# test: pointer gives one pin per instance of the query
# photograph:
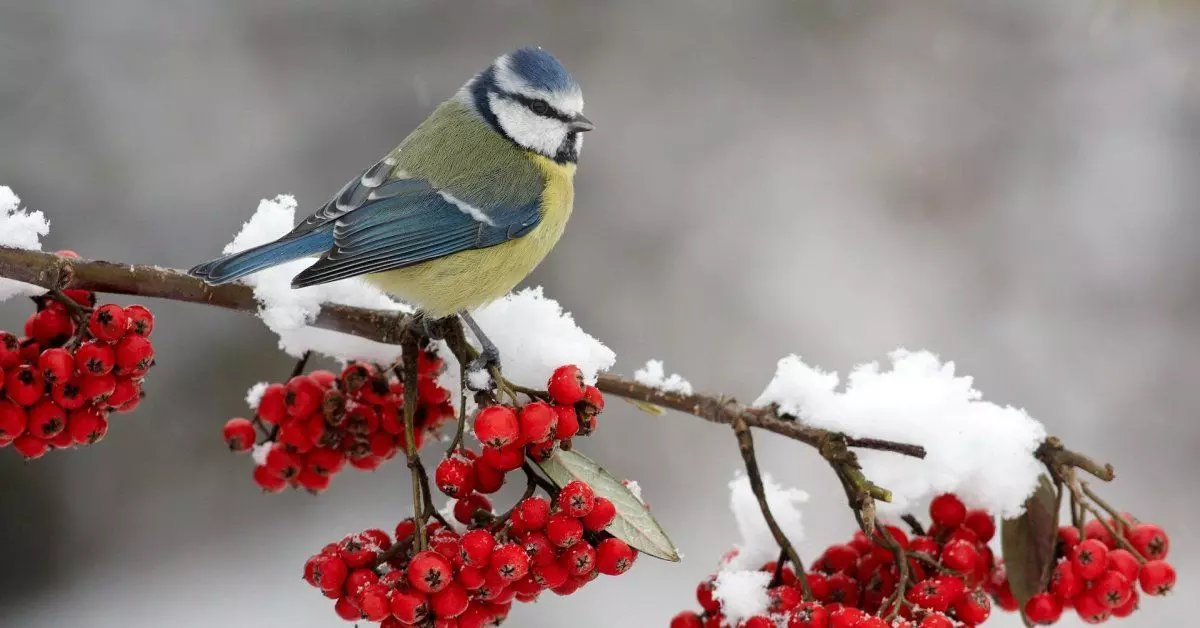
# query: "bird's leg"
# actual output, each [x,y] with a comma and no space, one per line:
[432,328]
[489,356]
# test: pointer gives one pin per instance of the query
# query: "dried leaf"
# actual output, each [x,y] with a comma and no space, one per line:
[634,524]
[1028,542]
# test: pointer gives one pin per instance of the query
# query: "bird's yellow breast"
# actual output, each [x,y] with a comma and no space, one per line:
[468,279]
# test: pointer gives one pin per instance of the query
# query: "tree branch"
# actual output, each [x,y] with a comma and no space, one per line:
[52,271]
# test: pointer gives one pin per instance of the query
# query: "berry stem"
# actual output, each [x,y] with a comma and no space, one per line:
[896,600]
[745,441]
[914,525]
[409,346]
[530,487]
[1117,516]
[542,482]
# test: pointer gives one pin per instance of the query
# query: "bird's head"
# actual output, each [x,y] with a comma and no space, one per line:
[530,98]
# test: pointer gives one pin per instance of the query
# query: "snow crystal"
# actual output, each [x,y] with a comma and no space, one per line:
[977,449]
[289,311]
[255,395]
[742,594]
[22,230]
[535,336]
[479,379]
[259,453]
[654,376]
[634,488]
[758,545]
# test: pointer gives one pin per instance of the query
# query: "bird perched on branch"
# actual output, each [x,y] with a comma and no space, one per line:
[461,211]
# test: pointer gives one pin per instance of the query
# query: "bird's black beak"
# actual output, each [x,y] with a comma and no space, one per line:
[580,123]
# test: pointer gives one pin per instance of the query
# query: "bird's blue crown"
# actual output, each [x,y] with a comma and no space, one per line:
[540,70]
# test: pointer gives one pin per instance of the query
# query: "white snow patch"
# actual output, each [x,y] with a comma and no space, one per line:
[758,544]
[742,594]
[20,229]
[634,488]
[259,453]
[479,379]
[654,376]
[977,449]
[289,311]
[255,394]
[535,336]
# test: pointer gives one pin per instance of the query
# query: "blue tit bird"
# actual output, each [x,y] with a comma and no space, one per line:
[462,210]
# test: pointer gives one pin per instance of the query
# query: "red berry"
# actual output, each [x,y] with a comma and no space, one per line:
[1090,559]
[580,559]
[465,507]
[1043,609]
[272,408]
[1095,529]
[455,476]
[577,499]
[108,322]
[973,608]
[505,459]
[566,385]
[981,523]
[1065,584]
[1126,609]
[373,601]
[346,609]
[135,355]
[509,563]
[592,397]
[329,572]
[472,577]
[239,434]
[809,615]
[614,557]
[46,420]
[1113,589]
[782,599]
[538,422]
[686,619]
[450,601]
[87,425]
[13,420]
[268,481]
[56,365]
[566,422]
[429,572]
[139,320]
[282,463]
[1090,609]
[124,390]
[488,479]
[30,446]
[497,426]
[1149,540]
[477,547]
[758,621]
[947,511]
[1124,562]
[936,620]
[24,385]
[97,388]
[537,547]
[10,350]
[846,617]
[601,515]
[531,514]
[838,558]
[960,556]
[563,530]
[842,589]
[303,396]
[1157,577]
[51,325]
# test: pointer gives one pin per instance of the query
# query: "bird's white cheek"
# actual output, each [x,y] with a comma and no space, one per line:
[528,129]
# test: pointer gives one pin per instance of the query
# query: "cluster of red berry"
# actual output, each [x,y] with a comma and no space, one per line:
[471,579]
[509,434]
[77,363]
[854,585]
[316,423]
[1096,573]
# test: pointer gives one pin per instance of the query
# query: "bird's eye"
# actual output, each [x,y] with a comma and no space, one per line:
[540,107]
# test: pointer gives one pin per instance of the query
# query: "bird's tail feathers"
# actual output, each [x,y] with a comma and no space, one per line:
[237,265]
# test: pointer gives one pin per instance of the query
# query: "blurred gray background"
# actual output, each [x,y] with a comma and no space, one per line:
[1011,184]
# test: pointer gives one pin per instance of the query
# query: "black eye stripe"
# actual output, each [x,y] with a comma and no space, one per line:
[528,102]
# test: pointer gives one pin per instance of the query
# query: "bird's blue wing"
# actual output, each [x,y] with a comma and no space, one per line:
[408,221]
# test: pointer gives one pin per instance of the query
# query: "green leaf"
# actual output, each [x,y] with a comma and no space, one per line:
[1028,541]
[634,524]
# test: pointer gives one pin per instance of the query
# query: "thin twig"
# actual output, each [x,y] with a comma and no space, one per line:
[530,487]
[1117,516]
[410,346]
[542,483]
[745,441]
[914,525]
[896,600]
